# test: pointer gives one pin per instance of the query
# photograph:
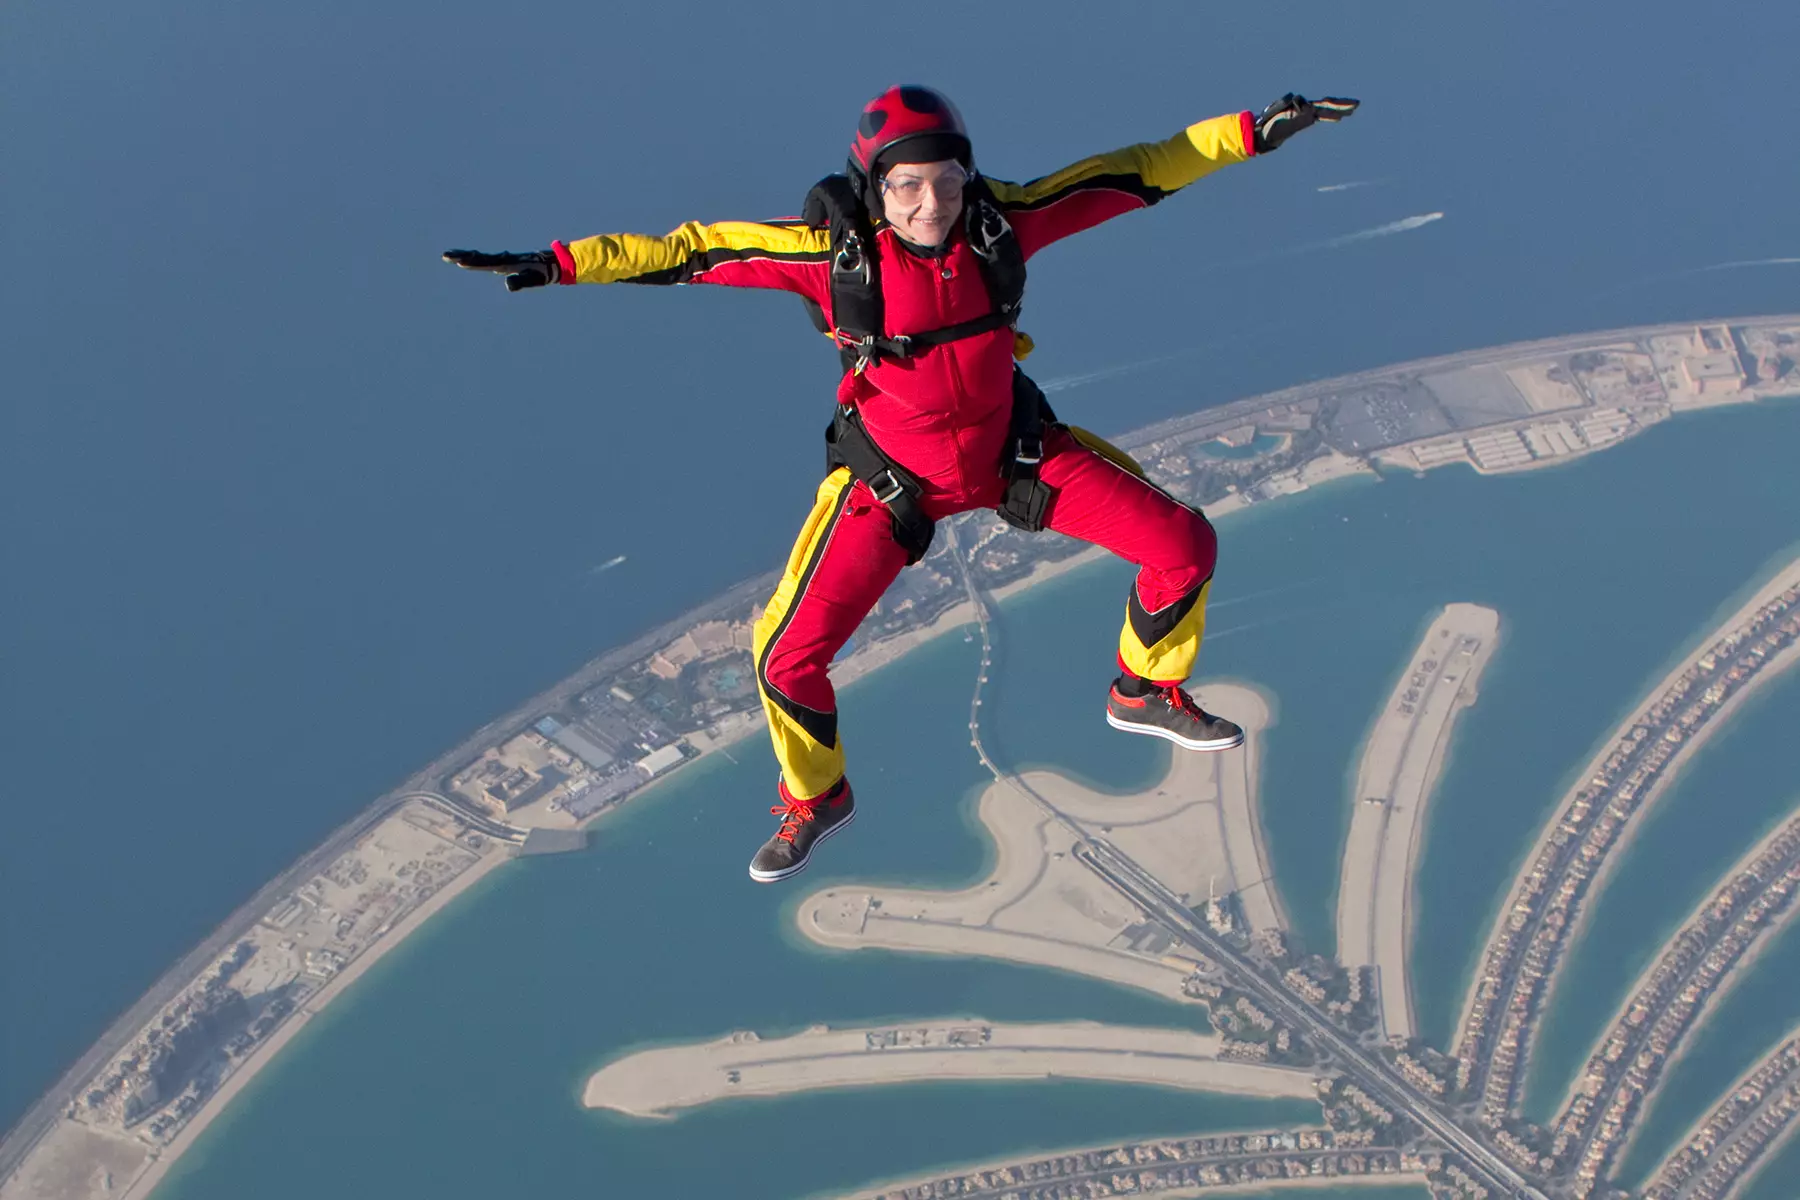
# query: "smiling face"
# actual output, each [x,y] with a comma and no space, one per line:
[923,201]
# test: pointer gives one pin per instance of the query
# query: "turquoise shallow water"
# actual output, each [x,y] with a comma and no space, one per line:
[477,1034]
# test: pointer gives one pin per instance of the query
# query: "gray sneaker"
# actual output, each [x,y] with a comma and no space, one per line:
[1171,713]
[804,824]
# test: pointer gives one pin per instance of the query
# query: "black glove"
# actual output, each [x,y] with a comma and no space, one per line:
[521,270]
[1290,114]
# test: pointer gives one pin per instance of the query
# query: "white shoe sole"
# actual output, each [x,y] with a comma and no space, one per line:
[1227,743]
[790,872]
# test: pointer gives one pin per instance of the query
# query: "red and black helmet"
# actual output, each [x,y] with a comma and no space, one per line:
[905,114]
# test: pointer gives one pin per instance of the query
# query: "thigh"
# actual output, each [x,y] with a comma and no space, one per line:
[1102,501]
[842,562]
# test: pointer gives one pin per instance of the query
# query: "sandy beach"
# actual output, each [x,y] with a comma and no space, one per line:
[1784,578]
[1040,905]
[1401,760]
[659,1081]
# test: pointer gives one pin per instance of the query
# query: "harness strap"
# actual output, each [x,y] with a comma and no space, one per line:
[873,346]
[848,444]
[1027,498]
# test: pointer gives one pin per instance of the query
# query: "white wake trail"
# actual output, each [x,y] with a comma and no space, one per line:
[1063,383]
[1750,262]
[1690,272]
[1403,225]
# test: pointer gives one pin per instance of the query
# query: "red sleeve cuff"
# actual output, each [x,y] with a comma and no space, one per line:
[565,261]
[1247,124]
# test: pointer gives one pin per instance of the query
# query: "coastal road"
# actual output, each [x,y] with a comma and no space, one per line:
[1372,1074]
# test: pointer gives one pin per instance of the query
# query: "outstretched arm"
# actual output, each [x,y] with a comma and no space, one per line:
[1107,185]
[787,257]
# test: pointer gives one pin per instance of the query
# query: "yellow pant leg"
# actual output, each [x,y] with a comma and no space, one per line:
[1170,657]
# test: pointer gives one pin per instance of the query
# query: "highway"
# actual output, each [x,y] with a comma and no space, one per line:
[1372,1074]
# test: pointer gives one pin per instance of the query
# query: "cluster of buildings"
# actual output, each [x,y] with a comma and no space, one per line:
[1248,1034]
[922,1036]
[1348,1107]
[600,746]
[1521,1153]
[1638,1046]
[1509,449]
[156,1084]
[1233,1160]
[1528,947]
[1421,1076]
[1508,417]
[1734,1135]
[155,1073]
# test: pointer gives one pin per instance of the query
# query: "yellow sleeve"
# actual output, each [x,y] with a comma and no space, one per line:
[1159,167]
[740,253]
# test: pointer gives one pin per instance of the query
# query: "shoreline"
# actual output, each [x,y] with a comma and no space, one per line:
[659,1082]
[1778,666]
[1743,964]
[1768,1155]
[44,1118]
[1377,872]
[1037,905]
[1416,841]
[1728,982]
[1240,810]
[158,1167]
[1778,581]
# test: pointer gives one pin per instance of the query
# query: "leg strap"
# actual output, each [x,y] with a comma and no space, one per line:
[848,444]
[1027,497]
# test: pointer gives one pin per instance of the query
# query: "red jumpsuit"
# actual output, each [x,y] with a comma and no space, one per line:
[944,415]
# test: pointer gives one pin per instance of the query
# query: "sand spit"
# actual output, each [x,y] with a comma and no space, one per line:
[1400,764]
[1194,829]
[656,1082]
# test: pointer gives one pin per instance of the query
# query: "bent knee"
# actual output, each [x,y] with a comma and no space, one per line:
[1191,547]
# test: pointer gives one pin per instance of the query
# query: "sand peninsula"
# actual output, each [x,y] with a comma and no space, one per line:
[1196,829]
[1401,759]
[657,1082]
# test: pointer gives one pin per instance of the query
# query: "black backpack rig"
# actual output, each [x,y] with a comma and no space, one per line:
[856,305]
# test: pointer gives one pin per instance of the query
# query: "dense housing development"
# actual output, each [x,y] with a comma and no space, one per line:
[1167,891]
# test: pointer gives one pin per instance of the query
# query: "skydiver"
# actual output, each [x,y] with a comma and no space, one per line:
[914,263]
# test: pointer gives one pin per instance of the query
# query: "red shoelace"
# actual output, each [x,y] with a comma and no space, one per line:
[1183,703]
[793,814]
